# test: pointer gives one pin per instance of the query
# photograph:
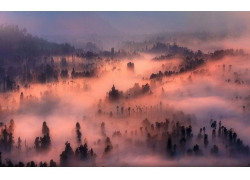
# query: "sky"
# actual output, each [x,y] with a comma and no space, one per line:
[124,22]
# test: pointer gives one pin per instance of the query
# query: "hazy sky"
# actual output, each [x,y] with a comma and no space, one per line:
[125,22]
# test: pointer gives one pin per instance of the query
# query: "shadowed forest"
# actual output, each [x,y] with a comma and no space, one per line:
[152,102]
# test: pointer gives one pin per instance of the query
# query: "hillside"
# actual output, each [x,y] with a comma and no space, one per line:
[16,45]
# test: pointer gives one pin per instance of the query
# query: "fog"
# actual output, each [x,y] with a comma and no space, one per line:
[175,94]
[190,102]
[109,29]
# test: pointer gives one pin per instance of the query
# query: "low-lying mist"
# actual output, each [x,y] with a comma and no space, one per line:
[153,122]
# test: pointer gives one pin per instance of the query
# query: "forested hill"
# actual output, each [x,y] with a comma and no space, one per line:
[16,44]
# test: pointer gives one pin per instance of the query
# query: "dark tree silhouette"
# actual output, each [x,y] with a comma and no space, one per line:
[114,94]
[107,149]
[21,96]
[99,112]
[197,150]
[4,139]
[19,146]
[214,150]
[169,146]
[66,155]
[78,133]
[45,128]
[82,151]
[45,142]
[41,164]
[11,126]
[10,142]
[189,131]
[213,125]
[52,163]
[9,163]
[103,128]
[213,134]
[37,144]
[109,146]
[145,88]
[31,164]
[205,140]
[20,164]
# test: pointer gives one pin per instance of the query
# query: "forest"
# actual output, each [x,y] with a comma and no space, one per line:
[157,103]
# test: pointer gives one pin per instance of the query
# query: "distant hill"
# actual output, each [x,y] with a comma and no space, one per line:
[16,44]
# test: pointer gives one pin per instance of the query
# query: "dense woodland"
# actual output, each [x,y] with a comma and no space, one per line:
[17,45]
[91,108]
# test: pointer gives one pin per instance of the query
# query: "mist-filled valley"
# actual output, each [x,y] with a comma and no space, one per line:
[157,102]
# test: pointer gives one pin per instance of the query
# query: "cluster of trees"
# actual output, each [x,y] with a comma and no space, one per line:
[184,67]
[6,137]
[81,153]
[130,65]
[178,140]
[91,47]
[160,47]
[82,74]
[138,90]
[120,54]
[201,72]
[108,147]
[43,143]
[9,163]
[182,37]
[16,44]
[170,138]
[163,57]
[64,73]
[41,74]
[125,111]
[17,47]
[10,84]
[234,144]
[219,54]
[89,55]
[114,95]
[172,49]
[51,73]
[14,77]
[175,137]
